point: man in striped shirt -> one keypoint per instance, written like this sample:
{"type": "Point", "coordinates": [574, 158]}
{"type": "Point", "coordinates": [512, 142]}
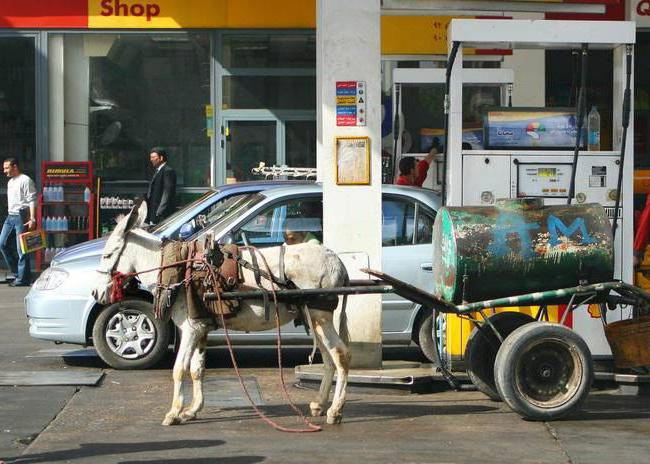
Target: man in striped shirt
{"type": "Point", "coordinates": [21, 201]}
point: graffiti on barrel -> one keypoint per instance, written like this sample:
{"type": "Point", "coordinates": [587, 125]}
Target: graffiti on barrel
{"type": "Point", "coordinates": [519, 246]}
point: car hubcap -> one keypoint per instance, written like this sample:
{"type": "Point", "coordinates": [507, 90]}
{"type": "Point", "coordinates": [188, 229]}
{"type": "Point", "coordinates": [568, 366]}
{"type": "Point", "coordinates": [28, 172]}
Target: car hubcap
{"type": "Point", "coordinates": [130, 334]}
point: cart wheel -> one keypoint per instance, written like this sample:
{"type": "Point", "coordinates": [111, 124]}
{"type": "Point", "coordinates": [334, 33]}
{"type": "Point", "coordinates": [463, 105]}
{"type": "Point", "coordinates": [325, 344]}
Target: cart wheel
{"type": "Point", "coordinates": [482, 346]}
{"type": "Point", "coordinates": [543, 371]}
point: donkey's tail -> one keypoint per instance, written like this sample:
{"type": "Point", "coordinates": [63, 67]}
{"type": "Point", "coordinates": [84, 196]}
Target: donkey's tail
{"type": "Point", "coordinates": [343, 319]}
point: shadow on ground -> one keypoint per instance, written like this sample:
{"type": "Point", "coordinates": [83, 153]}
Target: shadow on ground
{"type": "Point", "coordinates": [252, 357]}
{"type": "Point", "coordinates": [96, 450]}
{"type": "Point", "coordinates": [355, 412]}
{"type": "Point", "coordinates": [612, 406]}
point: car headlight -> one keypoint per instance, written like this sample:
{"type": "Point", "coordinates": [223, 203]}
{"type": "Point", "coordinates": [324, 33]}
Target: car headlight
{"type": "Point", "coordinates": [50, 279]}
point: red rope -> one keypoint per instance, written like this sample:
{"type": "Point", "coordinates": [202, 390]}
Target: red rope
{"type": "Point", "coordinates": [260, 414]}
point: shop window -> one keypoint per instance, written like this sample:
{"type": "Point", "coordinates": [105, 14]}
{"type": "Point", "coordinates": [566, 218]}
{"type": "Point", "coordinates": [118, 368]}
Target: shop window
{"type": "Point", "coordinates": [17, 103]}
{"type": "Point", "coordinates": [143, 90]}
{"type": "Point", "coordinates": [269, 51]}
{"type": "Point", "coordinates": [269, 92]}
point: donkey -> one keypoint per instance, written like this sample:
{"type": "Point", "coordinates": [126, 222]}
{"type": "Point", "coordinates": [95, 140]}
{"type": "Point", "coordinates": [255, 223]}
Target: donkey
{"type": "Point", "coordinates": [131, 249]}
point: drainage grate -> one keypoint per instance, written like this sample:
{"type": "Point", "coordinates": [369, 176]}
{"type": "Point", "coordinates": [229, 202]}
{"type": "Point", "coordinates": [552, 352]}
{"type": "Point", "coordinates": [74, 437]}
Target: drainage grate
{"type": "Point", "coordinates": [226, 392]}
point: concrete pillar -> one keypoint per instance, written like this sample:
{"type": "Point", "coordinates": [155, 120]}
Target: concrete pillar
{"type": "Point", "coordinates": [55, 92]}
{"type": "Point", "coordinates": [76, 99]}
{"type": "Point", "coordinates": [348, 49]}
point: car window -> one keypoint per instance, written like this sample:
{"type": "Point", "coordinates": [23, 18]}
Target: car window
{"type": "Point", "coordinates": [424, 228]}
{"type": "Point", "coordinates": [181, 212]}
{"type": "Point", "coordinates": [212, 214]}
{"type": "Point", "coordinates": [221, 217]}
{"type": "Point", "coordinates": [292, 221]}
{"type": "Point", "coordinates": [397, 220]}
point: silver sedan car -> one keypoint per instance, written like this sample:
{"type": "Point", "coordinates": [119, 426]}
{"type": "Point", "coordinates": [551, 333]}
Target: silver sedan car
{"type": "Point", "coordinates": [60, 308]}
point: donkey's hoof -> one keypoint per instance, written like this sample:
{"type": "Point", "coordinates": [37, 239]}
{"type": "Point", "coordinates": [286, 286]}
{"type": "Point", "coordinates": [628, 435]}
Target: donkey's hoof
{"type": "Point", "coordinates": [334, 420]}
{"type": "Point", "coordinates": [316, 409]}
{"type": "Point", "coordinates": [171, 419]}
{"type": "Point", "coordinates": [187, 416]}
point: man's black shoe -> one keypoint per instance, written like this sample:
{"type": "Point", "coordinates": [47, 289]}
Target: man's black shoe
{"type": "Point", "coordinates": [19, 284]}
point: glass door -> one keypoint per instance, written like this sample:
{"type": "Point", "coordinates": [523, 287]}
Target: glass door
{"type": "Point", "coordinates": [300, 143]}
{"type": "Point", "coordinates": [247, 143]}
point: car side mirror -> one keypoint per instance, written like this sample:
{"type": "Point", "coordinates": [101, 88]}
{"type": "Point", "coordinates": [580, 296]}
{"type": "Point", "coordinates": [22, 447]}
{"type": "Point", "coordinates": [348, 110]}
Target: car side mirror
{"type": "Point", "coordinates": [187, 230]}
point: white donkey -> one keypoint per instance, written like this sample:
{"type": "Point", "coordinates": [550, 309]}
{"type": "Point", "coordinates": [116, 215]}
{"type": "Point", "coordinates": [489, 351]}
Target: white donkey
{"type": "Point", "coordinates": [131, 249]}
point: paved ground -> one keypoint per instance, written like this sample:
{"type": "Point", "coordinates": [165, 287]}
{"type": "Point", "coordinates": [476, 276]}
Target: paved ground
{"type": "Point", "coordinates": [119, 420]}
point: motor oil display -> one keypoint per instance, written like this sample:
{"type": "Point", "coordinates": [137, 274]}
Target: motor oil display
{"type": "Point", "coordinates": [519, 246]}
{"type": "Point", "coordinates": [66, 206]}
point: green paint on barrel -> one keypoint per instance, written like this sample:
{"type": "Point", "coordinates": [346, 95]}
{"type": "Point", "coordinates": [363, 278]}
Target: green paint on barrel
{"type": "Point", "coordinates": [517, 247]}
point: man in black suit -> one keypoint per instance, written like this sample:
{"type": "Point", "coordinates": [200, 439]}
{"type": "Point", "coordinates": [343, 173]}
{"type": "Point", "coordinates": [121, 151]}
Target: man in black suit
{"type": "Point", "coordinates": [162, 188]}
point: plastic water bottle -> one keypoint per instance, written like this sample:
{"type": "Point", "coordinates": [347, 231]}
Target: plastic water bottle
{"type": "Point", "coordinates": [86, 195]}
{"type": "Point", "coordinates": [66, 223]}
{"type": "Point", "coordinates": [593, 130]}
{"type": "Point", "coordinates": [46, 223]}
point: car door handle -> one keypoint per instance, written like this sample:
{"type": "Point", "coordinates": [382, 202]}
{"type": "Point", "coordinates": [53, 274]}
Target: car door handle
{"type": "Point", "coordinates": [427, 267]}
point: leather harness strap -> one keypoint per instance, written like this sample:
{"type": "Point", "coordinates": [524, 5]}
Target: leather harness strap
{"type": "Point", "coordinates": [254, 267]}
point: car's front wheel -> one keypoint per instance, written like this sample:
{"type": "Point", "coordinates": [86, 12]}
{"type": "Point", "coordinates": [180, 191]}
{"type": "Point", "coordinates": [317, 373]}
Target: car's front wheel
{"type": "Point", "coordinates": [126, 335]}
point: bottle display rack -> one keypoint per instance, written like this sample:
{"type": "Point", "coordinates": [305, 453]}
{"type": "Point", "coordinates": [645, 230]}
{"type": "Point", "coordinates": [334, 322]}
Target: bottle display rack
{"type": "Point", "coordinates": [66, 207]}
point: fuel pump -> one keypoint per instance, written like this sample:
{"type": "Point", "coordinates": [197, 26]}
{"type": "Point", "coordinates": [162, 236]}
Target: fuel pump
{"type": "Point", "coordinates": [483, 86]}
{"type": "Point", "coordinates": [540, 152]}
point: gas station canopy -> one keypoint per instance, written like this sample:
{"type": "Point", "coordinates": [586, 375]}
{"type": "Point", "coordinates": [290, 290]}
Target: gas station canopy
{"type": "Point", "coordinates": [542, 34]}
{"type": "Point", "coordinates": [410, 7]}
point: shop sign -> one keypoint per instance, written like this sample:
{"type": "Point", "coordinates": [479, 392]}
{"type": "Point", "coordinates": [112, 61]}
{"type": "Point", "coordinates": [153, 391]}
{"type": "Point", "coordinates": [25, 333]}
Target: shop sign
{"type": "Point", "coordinates": [155, 14]}
{"type": "Point", "coordinates": [123, 8]}
{"type": "Point", "coordinates": [641, 12]}
{"type": "Point", "coordinates": [54, 171]}
{"type": "Point", "coordinates": [351, 103]}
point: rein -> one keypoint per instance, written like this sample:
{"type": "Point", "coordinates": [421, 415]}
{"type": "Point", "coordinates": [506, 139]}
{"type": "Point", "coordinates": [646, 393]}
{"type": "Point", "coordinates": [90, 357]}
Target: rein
{"type": "Point", "coordinates": [120, 279]}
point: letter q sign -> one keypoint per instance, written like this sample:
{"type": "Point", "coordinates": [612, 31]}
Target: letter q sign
{"type": "Point", "coordinates": [643, 8]}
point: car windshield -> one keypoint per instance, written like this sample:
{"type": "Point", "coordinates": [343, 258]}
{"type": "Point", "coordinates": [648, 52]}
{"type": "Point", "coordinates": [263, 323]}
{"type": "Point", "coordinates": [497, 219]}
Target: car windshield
{"type": "Point", "coordinates": [183, 212]}
{"type": "Point", "coordinates": [222, 215]}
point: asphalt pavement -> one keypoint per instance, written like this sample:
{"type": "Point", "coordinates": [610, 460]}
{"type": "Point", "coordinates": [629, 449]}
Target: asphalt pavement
{"type": "Point", "coordinates": [118, 420]}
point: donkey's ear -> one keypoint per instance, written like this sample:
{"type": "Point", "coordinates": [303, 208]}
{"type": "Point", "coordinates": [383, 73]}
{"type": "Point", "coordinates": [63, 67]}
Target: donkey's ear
{"type": "Point", "coordinates": [142, 213]}
{"type": "Point", "coordinates": [137, 215]}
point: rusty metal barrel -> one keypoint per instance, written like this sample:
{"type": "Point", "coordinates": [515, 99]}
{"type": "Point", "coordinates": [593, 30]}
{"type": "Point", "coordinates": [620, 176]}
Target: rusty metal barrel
{"type": "Point", "coordinates": [519, 246]}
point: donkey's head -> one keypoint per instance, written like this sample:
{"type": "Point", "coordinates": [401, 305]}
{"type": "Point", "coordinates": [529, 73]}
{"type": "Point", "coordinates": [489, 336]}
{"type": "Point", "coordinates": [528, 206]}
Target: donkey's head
{"type": "Point", "coordinates": [112, 259]}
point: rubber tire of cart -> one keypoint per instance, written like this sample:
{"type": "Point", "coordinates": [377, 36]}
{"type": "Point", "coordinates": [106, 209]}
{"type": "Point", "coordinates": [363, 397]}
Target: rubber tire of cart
{"type": "Point", "coordinates": [425, 335]}
{"type": "Point", "coordinates": [480, 352]}
{"type": "Point", "coordinates": [518, 371]}
{"type": "Point", "coordinates": [161, 329]}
